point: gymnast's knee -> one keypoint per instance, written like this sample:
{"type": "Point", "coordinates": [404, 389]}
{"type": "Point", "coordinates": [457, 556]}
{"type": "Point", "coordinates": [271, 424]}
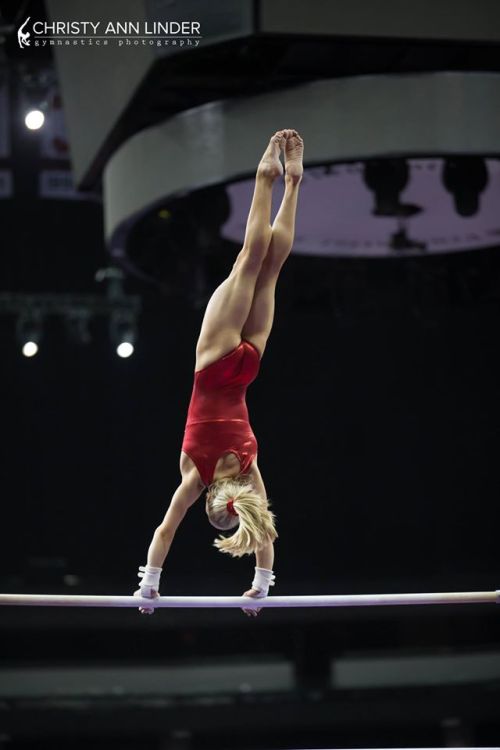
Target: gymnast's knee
{"type": "Point", "coordinates": [251, 257]}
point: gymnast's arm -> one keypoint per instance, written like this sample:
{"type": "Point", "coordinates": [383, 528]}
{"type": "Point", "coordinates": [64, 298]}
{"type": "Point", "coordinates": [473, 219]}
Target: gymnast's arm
{"type": "Point", "coordinates": [185, 495]}
{"type": "Point", "coordinates": [264, 557]}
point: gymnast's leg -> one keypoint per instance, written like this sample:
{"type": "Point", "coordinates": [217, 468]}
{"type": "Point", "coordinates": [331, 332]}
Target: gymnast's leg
{"type": "Point", "coordinates": [260, 318]}
{"type": "Point", "coordinates": [230, 304]}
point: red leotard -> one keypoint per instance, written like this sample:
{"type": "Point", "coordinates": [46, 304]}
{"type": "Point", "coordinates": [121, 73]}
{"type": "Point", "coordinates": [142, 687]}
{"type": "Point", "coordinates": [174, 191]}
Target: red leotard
{"type": "Point", "coordinates": [217, 420]}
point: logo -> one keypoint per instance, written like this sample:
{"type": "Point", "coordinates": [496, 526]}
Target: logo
{"type": "Point", "coordinates": [22, 36]}
{"type": "Point", "coordinates": [121, 33]}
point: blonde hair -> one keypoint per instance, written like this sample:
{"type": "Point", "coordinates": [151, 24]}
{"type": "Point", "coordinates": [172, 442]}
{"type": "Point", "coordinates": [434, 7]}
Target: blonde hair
{"type": "Point", "coordinates": [254, 520]}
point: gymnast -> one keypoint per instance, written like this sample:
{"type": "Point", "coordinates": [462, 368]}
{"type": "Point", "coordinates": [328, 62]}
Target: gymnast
{"type": "Point", "coordinates": [219, 450]}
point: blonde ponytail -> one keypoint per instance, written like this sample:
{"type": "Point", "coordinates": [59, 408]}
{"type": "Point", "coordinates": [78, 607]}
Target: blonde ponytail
{"type": "Point", "coordinates": [255, 521]}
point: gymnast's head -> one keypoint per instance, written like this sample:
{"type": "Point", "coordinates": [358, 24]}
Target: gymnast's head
{"type": "Point", "coordinates": [233, 502]}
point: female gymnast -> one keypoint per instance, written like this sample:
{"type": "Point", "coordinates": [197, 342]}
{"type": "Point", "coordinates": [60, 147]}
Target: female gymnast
{"type": "Point", "coordinates": [219, 450]}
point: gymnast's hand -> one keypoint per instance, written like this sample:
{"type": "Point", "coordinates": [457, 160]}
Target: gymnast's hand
{"type": "Point", "coordinates": [147, 610]}
{"type": "Point", "coordinates": [252, 612]}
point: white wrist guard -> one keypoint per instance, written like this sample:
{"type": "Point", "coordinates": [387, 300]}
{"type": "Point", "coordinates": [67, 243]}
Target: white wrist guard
{"type": "Point", "coordinates": [263, 579]}
{"type": "Point", "coordinates": [150, 579]}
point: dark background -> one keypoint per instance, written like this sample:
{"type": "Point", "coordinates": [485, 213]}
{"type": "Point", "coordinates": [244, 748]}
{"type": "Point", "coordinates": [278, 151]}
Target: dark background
{"type": "Point", "coordinates": [377, 416]}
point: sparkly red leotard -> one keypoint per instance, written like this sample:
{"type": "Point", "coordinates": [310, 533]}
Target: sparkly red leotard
{"type": "Point", "coordinates": [217, 420]}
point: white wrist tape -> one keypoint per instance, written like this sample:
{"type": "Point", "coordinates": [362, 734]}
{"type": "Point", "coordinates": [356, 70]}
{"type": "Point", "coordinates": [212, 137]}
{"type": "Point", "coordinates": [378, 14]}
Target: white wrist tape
{"type": "Point", "coordinates": [150, 579]}
{"type": "Point", "coordinates": [262, 580]}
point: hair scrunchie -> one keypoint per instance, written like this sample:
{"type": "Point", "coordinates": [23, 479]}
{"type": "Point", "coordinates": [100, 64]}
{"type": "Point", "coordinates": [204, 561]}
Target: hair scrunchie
{"type": "Point", "coordinates": [230, 507]}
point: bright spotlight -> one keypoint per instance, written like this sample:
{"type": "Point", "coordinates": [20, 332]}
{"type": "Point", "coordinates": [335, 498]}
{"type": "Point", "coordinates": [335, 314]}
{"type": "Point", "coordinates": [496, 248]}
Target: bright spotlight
{"type": "Point", "coordinates": [123, 332]}
{"type": "Point", "coordinates": [34, 119]}
{"type": "Point", "coordinates": [124, 349]}
{"type": "Point", "coordinates": [29, 332]}
{"type": "Point", "coordinates": [30, 348]}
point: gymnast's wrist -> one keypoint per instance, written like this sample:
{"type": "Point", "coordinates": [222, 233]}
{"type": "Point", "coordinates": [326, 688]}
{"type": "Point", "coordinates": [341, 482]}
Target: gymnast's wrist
{"type": "Point", "coordinates": [263, 579]}
{"type": "Point", "coordinates": [150, 576]}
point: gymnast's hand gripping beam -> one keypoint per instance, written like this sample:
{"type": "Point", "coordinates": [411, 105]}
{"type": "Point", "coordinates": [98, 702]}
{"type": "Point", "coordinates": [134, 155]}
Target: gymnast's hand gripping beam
{"type": "Point", "coordinates": [248, 602]}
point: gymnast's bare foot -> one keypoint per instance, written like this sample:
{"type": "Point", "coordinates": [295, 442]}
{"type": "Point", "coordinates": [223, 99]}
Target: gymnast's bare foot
{"type": "Point", "coordinates": [294, 150]}
{"type": "Point", "coordinates": [270, 165]}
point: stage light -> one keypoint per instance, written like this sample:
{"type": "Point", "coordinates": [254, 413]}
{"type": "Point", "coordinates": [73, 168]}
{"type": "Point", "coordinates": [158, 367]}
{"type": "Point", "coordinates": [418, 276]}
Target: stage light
{"type": "Point", "coordinates": [387, 178]}
{"type": "Point", "coordinates": [124, 349]}
{"type": "Point", "coordinates": [29, 332]}
{"type": "Point", "coordinates": [34, 119]}
{"type": "Point", "coordinates": [465, 177]}
{"type": "Point", "coordinates": [123, 332]}
{"type": "Point", "coordinates": [30, 348]}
